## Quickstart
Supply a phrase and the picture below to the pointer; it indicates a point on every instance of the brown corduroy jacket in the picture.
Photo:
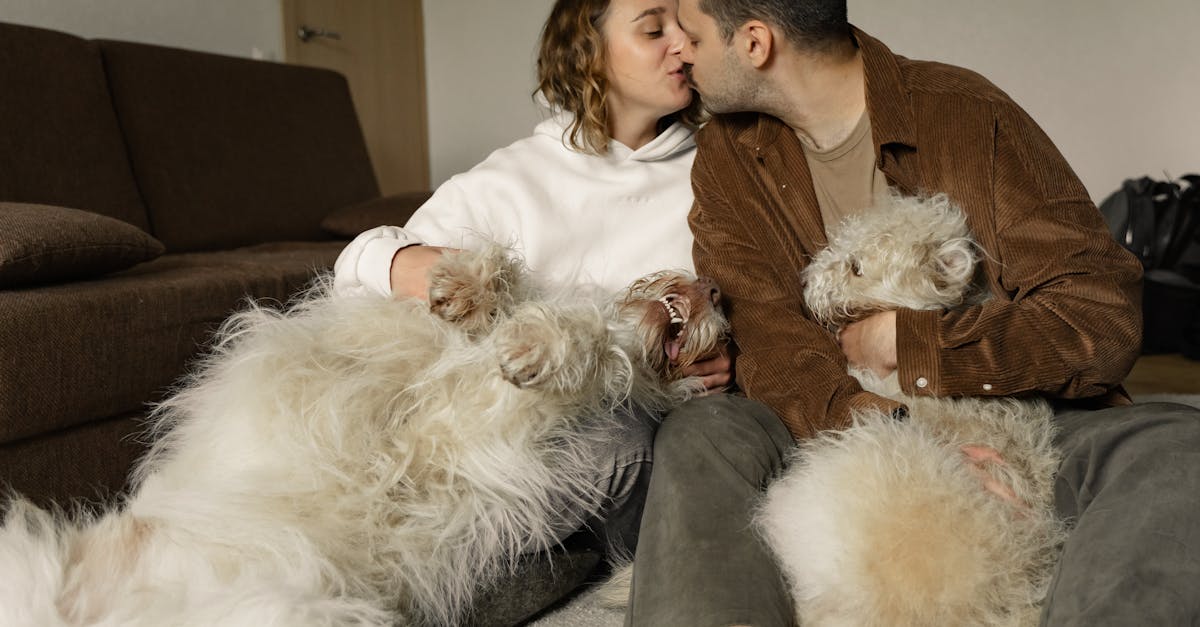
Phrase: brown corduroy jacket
(1065, 317)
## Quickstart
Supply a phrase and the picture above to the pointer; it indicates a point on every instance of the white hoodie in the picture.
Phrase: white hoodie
(573, 217)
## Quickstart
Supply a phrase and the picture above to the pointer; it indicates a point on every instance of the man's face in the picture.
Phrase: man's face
(712, 66)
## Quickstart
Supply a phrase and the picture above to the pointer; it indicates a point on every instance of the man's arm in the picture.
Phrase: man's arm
(1070, 322)
(786, 361)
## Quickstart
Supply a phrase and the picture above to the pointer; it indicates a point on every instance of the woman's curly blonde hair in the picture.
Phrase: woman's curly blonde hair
(572, 75)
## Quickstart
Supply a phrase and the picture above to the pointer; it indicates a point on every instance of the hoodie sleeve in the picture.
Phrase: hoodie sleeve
(446, 219)
(364, 265)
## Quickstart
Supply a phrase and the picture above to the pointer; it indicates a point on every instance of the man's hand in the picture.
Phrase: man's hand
(715, 369)
(871, 343)
(978, 457)
(410, 270)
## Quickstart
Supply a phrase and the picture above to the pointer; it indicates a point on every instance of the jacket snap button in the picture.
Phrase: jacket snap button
(922, 382)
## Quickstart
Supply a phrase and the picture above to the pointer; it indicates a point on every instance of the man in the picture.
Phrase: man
(815, 119)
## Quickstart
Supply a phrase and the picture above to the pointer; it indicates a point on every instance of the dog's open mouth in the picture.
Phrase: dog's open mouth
(678, 315)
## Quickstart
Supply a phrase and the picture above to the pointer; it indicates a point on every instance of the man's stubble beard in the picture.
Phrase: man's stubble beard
(734, 89)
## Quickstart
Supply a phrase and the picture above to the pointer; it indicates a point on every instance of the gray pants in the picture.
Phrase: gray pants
(1130, 481)
(624, 462)
(698, 562)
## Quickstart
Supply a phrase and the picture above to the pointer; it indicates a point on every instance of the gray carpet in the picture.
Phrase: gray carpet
(582, 611)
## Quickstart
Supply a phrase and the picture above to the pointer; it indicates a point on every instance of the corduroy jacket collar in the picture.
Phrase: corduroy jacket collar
(889, 108)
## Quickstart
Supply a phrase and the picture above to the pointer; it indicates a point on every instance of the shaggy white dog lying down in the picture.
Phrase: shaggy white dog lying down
(887, 523)
(361, 461)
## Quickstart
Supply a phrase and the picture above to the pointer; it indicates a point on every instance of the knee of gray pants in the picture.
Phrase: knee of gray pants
(1145, 439)
(1130, 480)
(625, 460)
(723, 429)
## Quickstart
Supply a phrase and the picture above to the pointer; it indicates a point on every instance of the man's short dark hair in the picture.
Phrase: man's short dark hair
(813, 25)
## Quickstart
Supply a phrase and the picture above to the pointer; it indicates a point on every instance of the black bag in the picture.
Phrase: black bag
(1159, 222)
(1156, 220)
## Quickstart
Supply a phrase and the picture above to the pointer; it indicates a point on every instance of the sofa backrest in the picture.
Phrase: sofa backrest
(60, 143)
(231, 152)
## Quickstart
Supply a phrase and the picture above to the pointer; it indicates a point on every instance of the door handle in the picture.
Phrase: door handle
(305, 33)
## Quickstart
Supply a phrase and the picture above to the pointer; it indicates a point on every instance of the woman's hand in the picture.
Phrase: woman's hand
(715, 369)
(410, 270)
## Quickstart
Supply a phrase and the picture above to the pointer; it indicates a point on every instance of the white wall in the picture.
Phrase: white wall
(1115, 84)
(479, 74)
(243, 28)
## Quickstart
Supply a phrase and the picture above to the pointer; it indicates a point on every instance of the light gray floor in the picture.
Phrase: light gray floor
(584, 611)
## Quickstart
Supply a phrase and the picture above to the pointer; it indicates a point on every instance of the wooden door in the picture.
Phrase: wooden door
(379, 47)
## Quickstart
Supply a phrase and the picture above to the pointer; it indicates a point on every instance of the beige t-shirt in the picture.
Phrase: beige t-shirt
(845, 177)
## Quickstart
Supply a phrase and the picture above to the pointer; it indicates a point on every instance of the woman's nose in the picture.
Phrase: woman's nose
(678, 40)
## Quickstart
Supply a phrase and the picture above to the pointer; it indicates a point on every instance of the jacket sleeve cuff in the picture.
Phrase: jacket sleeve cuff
(869, 402)
(918, 363)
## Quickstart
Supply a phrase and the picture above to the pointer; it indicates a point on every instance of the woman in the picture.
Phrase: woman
(600, 192)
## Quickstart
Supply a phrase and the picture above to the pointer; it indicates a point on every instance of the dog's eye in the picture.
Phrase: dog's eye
(856, 267)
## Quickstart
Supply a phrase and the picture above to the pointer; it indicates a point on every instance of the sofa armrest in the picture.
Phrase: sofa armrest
(392, 210)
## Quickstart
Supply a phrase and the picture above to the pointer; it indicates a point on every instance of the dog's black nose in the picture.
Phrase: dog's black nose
(709, 286)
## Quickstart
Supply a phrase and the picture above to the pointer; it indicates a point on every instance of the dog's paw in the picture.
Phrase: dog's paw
(529, 353)
(473, 289)
(525, 365)
(565, 351)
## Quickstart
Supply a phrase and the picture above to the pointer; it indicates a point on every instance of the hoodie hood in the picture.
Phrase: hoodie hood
(675, 139)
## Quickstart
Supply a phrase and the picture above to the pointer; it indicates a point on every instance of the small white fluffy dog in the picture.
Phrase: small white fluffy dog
(887, 523)
(361, 461)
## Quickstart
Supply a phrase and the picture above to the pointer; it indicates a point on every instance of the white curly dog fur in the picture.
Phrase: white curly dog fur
(886, 523)
(362, 461)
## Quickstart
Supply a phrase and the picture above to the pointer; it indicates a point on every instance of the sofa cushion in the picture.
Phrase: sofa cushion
(91, 461)
(388, 210)
(231, 152)
(59, 139)
(44, 244)
(73, 353)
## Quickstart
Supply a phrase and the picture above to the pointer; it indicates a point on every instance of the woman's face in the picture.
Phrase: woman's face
(645, 74)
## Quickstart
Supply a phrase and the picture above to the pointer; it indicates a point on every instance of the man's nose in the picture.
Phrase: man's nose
(686, 53)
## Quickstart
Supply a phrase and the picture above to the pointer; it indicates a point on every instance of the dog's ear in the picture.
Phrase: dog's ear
(955, 260)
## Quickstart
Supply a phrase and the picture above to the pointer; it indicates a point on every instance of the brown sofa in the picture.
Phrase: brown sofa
(145, 192)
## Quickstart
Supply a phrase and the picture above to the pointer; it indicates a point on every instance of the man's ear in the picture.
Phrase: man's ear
(758, 42)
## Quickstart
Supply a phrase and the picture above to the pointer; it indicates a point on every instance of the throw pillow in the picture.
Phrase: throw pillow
(389, 210)
(41, 244)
